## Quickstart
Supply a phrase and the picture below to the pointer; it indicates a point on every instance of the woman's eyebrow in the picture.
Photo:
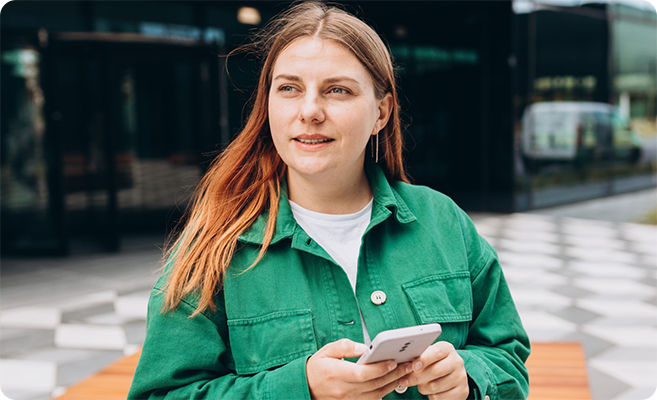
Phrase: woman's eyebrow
(341, 78)
(287, 78)
(295, 78)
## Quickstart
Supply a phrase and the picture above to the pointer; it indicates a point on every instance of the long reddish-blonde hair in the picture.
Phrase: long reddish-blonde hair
(244, 180)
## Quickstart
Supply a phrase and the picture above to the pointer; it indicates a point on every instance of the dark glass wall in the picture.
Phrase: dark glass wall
(111, 120)
(114, 109)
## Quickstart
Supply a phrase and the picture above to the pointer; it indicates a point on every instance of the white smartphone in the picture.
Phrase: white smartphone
(402, 344)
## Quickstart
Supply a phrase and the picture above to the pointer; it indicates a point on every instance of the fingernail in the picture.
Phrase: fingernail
(409, 369)
(392, 366)
(403, 382)
(418, 365)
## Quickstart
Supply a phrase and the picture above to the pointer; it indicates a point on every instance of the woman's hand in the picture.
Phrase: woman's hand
(331, 377)
(439, 373)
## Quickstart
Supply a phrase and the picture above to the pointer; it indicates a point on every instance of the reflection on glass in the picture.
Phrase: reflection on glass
(23, 164)
(577, 133)
(586, 101)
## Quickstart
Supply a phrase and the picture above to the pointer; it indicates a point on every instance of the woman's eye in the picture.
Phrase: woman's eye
(286, 89)
(339, 90)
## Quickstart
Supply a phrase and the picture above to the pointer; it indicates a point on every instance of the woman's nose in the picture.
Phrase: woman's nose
(311, 109)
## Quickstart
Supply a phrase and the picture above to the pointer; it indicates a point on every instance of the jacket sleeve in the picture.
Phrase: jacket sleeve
(189, 358)
(497, 345)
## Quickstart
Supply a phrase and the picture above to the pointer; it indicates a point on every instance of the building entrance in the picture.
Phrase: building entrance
(127, 119)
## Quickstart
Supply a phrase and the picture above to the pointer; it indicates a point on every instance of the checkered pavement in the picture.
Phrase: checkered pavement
(589, 281)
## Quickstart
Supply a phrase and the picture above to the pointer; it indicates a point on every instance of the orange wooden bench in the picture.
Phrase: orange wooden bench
(556, 371)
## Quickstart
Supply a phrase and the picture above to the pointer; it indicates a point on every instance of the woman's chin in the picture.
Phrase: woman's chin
(311, 170)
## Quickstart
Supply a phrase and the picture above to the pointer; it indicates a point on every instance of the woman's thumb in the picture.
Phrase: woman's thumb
(343, 348)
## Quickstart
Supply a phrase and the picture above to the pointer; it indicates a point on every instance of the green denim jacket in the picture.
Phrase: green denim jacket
(420, 249)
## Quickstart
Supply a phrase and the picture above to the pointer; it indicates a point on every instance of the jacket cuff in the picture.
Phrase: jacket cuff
(288, 381)
(478, 373)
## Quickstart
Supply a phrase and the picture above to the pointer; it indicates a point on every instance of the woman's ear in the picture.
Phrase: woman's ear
(385, 109)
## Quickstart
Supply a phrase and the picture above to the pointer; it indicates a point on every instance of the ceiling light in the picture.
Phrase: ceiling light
(248, 16)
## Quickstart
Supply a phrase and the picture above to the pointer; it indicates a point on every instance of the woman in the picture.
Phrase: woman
(298, 247)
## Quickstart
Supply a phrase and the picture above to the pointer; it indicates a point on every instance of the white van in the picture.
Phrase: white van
(577, 132)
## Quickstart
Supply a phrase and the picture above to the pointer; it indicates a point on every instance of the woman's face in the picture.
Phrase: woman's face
(322, 109)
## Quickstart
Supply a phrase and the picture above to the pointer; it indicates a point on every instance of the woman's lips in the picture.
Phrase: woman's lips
(312, 141)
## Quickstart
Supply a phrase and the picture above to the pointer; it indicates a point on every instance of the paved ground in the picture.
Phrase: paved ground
(588, 281)
(572, 278)
(630, 207)
(64, 319)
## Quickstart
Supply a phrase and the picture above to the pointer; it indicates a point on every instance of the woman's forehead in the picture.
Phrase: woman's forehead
(313, 56)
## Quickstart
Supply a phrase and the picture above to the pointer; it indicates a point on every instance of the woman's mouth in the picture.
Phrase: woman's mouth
(313, 141)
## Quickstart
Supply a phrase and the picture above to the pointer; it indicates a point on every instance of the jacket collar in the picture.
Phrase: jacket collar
(386, 202)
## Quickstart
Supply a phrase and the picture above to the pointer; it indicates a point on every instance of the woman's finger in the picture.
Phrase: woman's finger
(460, 392)
(445, 384)
(394, 376)
(382, 391)
(360, 373)
(433, 371)
(342, 348)
(433, 354)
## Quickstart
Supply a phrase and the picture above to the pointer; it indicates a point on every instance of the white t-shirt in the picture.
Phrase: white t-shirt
(339, 235)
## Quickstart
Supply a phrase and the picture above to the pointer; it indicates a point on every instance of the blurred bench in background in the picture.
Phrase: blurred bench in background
(556, 371)
(112, 383)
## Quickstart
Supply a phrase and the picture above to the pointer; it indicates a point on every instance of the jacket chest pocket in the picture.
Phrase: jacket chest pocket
(271, 340)
(446, 299)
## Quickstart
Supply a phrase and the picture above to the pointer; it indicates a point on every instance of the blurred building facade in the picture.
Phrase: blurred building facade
(112, 111)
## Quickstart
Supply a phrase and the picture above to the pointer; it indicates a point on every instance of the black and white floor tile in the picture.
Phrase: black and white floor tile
(589, 281)
(64, 319)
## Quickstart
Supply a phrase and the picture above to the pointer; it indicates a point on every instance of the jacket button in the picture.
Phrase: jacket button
(401, 389)
(378, 297)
